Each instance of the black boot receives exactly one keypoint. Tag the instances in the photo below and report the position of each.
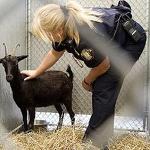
(86, 136)
(84, 139)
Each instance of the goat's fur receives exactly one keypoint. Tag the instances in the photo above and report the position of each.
(50, 88)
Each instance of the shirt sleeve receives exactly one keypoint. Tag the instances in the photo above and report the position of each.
(97, 59)
(58, 46)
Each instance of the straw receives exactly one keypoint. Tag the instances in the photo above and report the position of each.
(131, 141)
(68, 138)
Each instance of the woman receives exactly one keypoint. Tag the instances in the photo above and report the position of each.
(59, 25)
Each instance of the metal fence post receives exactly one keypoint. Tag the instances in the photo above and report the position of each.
(148, 72)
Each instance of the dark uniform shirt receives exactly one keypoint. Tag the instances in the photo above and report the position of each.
(83, 51)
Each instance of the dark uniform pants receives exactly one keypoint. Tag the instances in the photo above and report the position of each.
(105, 92)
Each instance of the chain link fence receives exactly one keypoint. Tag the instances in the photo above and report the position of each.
(82, 99)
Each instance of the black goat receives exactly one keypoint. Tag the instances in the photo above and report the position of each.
(50, 88)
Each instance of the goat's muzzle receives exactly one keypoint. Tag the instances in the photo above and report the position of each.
(9, 78)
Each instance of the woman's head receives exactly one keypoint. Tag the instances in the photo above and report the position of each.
(51, 23)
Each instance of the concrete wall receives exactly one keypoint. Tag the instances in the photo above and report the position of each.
(12, 31)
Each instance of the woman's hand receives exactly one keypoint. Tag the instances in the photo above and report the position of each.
(87, 86)
(30, 73)
(95, 73)
(49, 60)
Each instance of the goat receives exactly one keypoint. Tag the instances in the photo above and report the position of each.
(50, 88)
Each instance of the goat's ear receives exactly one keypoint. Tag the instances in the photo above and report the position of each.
(22, 57)
(1, 60)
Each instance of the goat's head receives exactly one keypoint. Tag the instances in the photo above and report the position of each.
(10, 64)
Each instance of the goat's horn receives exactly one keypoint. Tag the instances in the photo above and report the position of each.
(18, 45)
(5, 49)
(14, 51)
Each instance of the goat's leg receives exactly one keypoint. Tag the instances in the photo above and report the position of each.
(68, 105)
(32, 117)
(61, 115)
(24, 115)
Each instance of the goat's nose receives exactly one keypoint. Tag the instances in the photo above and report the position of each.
(9, 77)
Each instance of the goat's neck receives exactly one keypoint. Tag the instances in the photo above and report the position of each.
(16, 82)
(16, 86)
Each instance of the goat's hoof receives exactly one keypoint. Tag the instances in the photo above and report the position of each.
(21, 129)
(105, 148)
(58, 128)
(28, 131)
(73, 121)
(73, 126)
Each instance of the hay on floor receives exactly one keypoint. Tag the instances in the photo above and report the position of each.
(131, 141)
(1, 147)
(68, 138)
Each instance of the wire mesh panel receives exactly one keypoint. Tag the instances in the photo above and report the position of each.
(82, 99)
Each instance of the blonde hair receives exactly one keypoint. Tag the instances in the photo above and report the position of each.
(51, 18)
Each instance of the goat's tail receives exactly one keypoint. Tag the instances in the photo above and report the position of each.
(70, 73)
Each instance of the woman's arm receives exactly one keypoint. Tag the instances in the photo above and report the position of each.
(49, 60)
(97, 71)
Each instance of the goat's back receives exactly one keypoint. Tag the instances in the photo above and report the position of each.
(49, 88)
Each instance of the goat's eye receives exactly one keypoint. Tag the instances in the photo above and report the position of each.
(4, 63)
(4, 60)
(16, 63)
